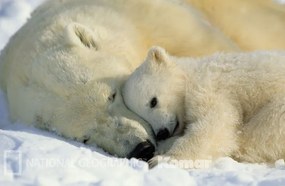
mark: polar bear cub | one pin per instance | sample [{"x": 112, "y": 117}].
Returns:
[{"x": 221, "y": 105}]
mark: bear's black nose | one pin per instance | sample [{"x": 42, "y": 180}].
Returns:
[
  {"x": 162, "y": 134},
  {"x": 143, "y": 151}
]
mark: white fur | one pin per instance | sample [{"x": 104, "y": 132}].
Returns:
[
  {"x": 62, "y": 67},
  {"x": 227, "y": 104}
]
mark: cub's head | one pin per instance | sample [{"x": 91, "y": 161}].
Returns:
[{"x": 155, "y": 91}]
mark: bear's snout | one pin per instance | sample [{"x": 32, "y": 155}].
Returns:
[
  {"x": 162, "y": 134},
  {"x": 144, "y": 151}
]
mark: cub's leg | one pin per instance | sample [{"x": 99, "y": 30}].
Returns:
[{"x": 262, "y": 138}]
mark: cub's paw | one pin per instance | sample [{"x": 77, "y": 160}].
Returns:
[
  {"x": 161, "y": 159},
  {"x": 155, "y": 161}
]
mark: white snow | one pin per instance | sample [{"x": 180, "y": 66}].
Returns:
[{"x": 30, "y": 156}]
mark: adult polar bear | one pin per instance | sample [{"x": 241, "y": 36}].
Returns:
[{"x": 63, "y": 69}]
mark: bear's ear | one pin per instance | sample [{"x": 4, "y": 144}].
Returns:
[
  {"x": 79, "y": 35},
  {"x": 158, "y": 56}
]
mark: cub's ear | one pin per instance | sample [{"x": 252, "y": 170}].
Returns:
[
  {"x": 79, "y": 35},
  {"x": 158, "y": 55}
]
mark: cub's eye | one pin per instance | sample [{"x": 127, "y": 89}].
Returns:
[
  {"x": 112, "y": 97},
  {"x": 153, "y": 102}
]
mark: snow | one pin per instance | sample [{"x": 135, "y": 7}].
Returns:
[{"x": 30, "y": 156}]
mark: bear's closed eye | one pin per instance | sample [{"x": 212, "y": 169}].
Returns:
[{"x": 153, "y": 102}]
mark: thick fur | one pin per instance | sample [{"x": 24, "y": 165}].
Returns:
[
  {"x": 226, "y": 104},
  {"x": 63, "y": 70}
]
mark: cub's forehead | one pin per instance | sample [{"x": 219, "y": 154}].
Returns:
[
  {"x": 143, "y": 82},
  {"x": 139, "y": 88},
  {"x": 136, "y": 82}
]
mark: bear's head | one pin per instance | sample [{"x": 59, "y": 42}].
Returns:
[
  {"x": 155, "y": 91},
  {"x": 99, "y": 115},
  {"x": 67, "y": 77}
]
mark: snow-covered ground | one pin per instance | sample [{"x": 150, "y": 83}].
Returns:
[{"x": 30, "y": 156}]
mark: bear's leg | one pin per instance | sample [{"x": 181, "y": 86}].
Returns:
[
  {"x": 262, "y": 138},
  {"x": 212, "y": 136}
]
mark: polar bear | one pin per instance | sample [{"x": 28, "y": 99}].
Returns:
[
  {"x": 220, "y": 105},
  {"x": 252, "y": 24},
  {"x": 63, "y": 70}
]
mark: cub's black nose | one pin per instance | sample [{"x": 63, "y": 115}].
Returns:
[
  {"x": 144, "y": 151},
  {"x": 162, "y": 134}
]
